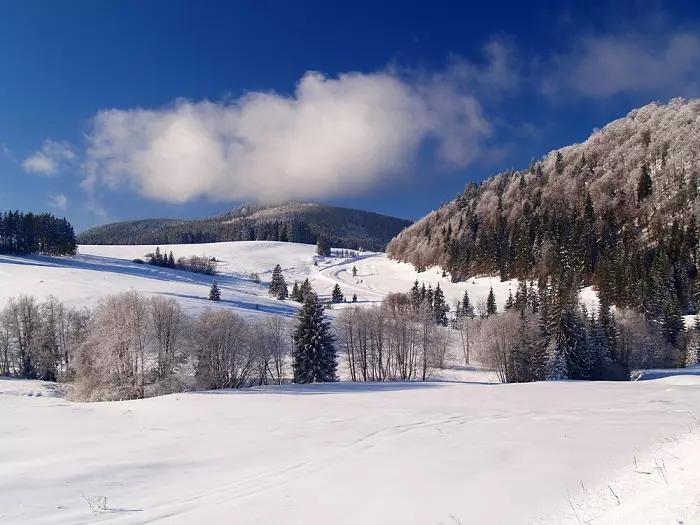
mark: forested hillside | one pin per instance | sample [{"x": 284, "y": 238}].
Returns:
[
  {"x": 292, "y": 222},
  {"x": 618, "y": 211}
]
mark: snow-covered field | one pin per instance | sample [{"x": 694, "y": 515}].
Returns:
[
  {"x": 395, "y": 453},
  {"x": 457, "y": 450},
  {"x": 98, "y": 271}
]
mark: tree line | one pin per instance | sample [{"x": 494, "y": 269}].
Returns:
[
  {"x": 29, "y": 233},
  {"x": 130, "y": 346}
]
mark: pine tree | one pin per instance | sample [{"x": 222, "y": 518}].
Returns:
[
  {"x": 354, "y": 271},
  {"x": 171, "y": 260},
  {"x": 337, "y": 294},
  {"x": 304, "y": 290},
  {"x": 214, "y": 292},
  {"x": 323, "y": 247},
  {"x": 313, "y": 355},
  {"x": 671, "y": 319},
  {"x": 156, "y": 260},
  {"x": 278, "y": 286},
  {"x": 440, "y": 307},
  {"x": 354, "y": 298},
  {"x": 491, "y": 308},
  {"x": 644, "y": 187},
  {"x": 295, "y": 295},
  {"x": 415, "y": 296},
  {"x": 429, "y": 296},
  {"x": 510, "y": 302},
  {"x": 467, "y": 307}
]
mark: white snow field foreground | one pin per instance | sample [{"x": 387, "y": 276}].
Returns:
[
  {"x": 99, "y": 271},
  {"x": 348, "y": 454}
]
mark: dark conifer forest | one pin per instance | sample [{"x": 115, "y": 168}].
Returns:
[{"x": 28, "y": 233}]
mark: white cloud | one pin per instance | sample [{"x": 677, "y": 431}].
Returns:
[
  {"x": 333, "y": 136},
  {"x": 602, "y": 66},
  {"x": 52, "y": 158},
  {"x": 58, "y": 201}
]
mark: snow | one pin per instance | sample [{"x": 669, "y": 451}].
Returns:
[
  {"x": 394, "y": 453},
  {"x": 99, "y": 271},
  {"x": 457, "y": 449}
]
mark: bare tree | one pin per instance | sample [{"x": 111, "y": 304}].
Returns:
[
  {"x": 224, "y": 357},
  {"x": 167, "y": 322}
]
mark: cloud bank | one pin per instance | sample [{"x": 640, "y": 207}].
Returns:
[
  {"x": 51, "y": 159},
  {"x": 333, "y": 136},
  {"x": 602, "y": 66}
]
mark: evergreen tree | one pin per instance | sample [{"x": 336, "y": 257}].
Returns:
[
  {"x": 354, "y": 298},
  {"x": 429, "y": 297},
  {"x": 440, "y": 307},
  {"x": 491, "y": 307},
  {"x": 337, "y": 294},
  {"x": 156, "y": 260},
  {"x": 467, "y": 307},
  {"x": 304, "y": 290},
  {"x": 644, "y": 186},
  {"x": 171, "y": 260},
  {"x": 354, "y": 271},
  {"x": 214, "y": 292},
  {"x": 295, "y": 295},
  {"x": 671, "y": 319},
  {"x": 559, "y": 163},
  {"x": 323, "y": 247},
  {"x": 278, "y": 286},
  {"x": 510, "y": 302},
  {"x": 313, "y": 355},
  {"x": 415, "y": 296}
]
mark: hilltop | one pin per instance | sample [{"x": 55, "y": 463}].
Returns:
[{"x": 291, "y": 222}]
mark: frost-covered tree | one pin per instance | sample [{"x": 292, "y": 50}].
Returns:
[{"x": 314, "y": 357}]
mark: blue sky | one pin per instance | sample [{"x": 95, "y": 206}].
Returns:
[{"x": 118, "y": 110}]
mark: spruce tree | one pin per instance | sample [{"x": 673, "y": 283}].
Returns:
[
  {"x": 491, "y": 308},
  {"x": 171, "y": 260},
  {"x": 313, "y": 355},
  {"x": 304, "y": 290},
  {"x": 354, "y": 271},
  {"x": 295, "y": 295},
  {"x": 354, "y": 298},
  {"x": 510, "y": 302},
  {"x": 323, "y": 247},
  {"x": 429, "y": 297},
  {"x": 644, "y": 186},
  {"x": 440, "y": 307},
  {"x": 467, "y": 307},
  {"x": 337, "y": 294},
  {"x": 278, "y": 286},
  {"x": 214, "y": 292}
]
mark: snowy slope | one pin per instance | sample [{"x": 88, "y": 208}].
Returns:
[
  {"x": 408, "y": 454},
  {"x": 98, "y": 271}
]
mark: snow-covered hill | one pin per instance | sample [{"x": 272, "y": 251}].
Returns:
[
  {"x": 392, "y": 453},
  {"x": 98, "y": 271}
]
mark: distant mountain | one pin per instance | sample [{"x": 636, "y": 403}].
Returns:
[
  {"x": 292, "y": 222},
  {"x": 618, "y": 211}
]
